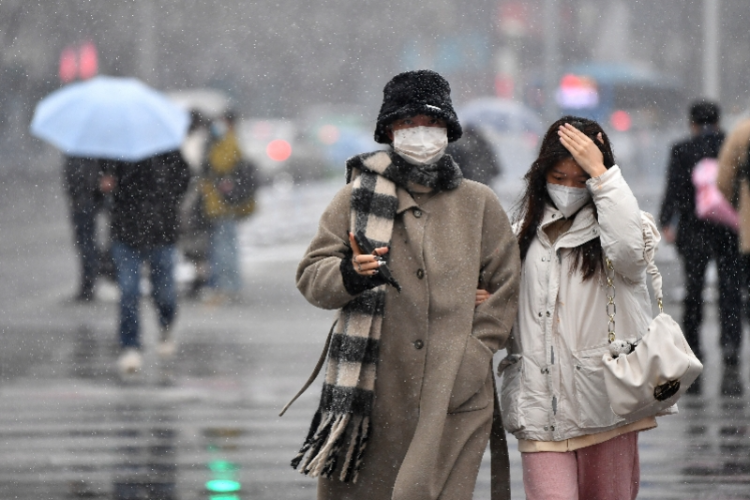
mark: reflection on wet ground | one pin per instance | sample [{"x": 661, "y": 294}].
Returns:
[
  {"x": 209, "y": 430},
  {"x": 718, "y": 447},
  {"x": 202, "y": 427}
]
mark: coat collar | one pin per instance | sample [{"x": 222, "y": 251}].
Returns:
[
  {"x": 405, "y": 200},
  {"x": 585, "y": 227}
]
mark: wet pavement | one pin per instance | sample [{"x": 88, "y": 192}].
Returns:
[{"x": 206, "y": 425}]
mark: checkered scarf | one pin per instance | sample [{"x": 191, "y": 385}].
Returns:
[{"x": 341, "y": 425}]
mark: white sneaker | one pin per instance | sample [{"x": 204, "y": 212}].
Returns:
[
  {"x": 167, "y": 346},
  {"x": 130, "y": 362}
]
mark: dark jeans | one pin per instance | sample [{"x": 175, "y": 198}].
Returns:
[
  {"x": 84, "y": 228},
  {"x": 723, "y": 249},
  {"x": 161, "y": 263}
]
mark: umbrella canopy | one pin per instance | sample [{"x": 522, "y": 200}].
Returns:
[
  {"x": 500, "y": 115},
  {"x": 109, "y": 117}
]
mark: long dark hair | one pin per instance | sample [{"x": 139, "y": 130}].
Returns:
[{"x": 530, "y": 208}]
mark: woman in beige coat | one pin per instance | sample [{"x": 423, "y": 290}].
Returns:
[
  {"x": 577, "y": 211},
  {"x": 407, "y": 404}
]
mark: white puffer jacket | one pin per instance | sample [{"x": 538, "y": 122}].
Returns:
[{"x": 553, "y": 381}]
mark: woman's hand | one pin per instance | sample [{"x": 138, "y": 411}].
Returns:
[
  {"x": 365, "y": 264},
  {"x": 583, "y": 149},
  {"x": 481, "y": 296}
]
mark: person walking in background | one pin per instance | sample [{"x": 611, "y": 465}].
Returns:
[
  {"x": 81, "y": 182},
  {"x": 699, "y": 241},
  {"x": 474, "y": 155},
  {"x": 228, "y": 194},
  {"x": 194, "y": 225},
  {"x": 577, "y": 210},
  {"x": 144, "y": 230},
  {"x": 407, "y": 404},
  {"x": 734, "y": 183}
]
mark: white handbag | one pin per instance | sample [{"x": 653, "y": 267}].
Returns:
[{"x": 647, "y": 377}]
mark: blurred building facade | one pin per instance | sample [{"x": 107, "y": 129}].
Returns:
[{"x": 276, "y": 59}]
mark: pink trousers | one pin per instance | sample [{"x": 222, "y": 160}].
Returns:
[{"x": 605, "y": 471}]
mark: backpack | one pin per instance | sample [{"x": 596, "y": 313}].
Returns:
[
  {"x": 710, "y": 204},
  {"x": 238, "y": 186}
]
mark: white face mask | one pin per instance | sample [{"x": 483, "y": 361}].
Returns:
[
  {"x": 568, "y": 200},
  {"x": 420, "y": 145}
]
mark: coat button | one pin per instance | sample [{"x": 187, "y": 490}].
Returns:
[
  {"x": 540, "y": 314},
  {"x": 417, "y": 213},
  {"x": 546, "y": 428},
  {"x": 418, "y": 344},
  {"x": 420, "y": 273},
  {"x": 548, "y": 314},
  {"x": 552, "y": 428}
]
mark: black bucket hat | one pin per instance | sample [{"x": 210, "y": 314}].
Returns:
[{"x": 421, "y": 92}]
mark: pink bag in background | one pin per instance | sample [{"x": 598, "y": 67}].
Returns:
[{"x": 710, "y": 204}]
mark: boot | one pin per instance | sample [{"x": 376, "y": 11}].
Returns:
[{"x": 731, "y": 385}]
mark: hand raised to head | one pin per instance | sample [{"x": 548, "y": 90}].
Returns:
[{"x": 583, "y": 149}]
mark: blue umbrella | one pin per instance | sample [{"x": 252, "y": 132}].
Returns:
[{"x": 108, "y": 117}]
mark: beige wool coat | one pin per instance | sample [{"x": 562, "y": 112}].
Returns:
[
  {"x": 733, "y": 185},
  {"x": 433, "y": 403}
]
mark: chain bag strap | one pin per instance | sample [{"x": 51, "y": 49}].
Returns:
[{"x": 645, "y": 377}]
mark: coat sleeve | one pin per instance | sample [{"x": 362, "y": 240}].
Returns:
[
  {"x": 499, "y": 275},
  {"x": 733, "y": 154},
  {"x": 319, "y": 276},
  {"x": 674, "y": 188},
  {"x": 620, "y": 223}
]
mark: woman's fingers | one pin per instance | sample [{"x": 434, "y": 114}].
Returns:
[
  {"x": 481, "y": 296},
  {"x": 364, "y": 263},
  {"x": 584, "y": 151}
]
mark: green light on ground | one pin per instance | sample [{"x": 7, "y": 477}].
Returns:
[
  {"x": 222, "y": 466},
  {"x": 223, "y": 497},
  {"x": 222, "y": 486}
]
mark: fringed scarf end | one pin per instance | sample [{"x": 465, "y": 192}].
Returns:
[{"x": 320, "y": 452}]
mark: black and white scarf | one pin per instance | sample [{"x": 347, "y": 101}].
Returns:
[{"x": 342, "y": 421}]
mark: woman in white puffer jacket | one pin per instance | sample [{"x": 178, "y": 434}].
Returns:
[{"x": 577, "y": 211}]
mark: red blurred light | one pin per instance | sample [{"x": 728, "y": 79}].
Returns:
[
  {"x": 68, "y": 65},
  {"x": 279, "y": 150},
  {"x": 88, "y": 62},
  {"x": 621, "y": 121}
]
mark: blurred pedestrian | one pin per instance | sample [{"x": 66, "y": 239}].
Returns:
[
  {"x": 734, "y": 183},
  {"x": 194, "y": 224},
  {"x": 474, "y": 155},
  {"x": 81, "y": 181},
  {"x": 699, "y": 241},
  {"x": 577, "y": 210},
  {"x": 144, "y": 230},
  {"x": 407, "y": 405},
  {"x": 228, "y": 193}
]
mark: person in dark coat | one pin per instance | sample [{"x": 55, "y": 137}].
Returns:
[
  {"x": 81, "y": 181},
  {"x": 474, "y": 155},
  {"x": 144, "y": 229},
  {"x": 699, "y": 241}
]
